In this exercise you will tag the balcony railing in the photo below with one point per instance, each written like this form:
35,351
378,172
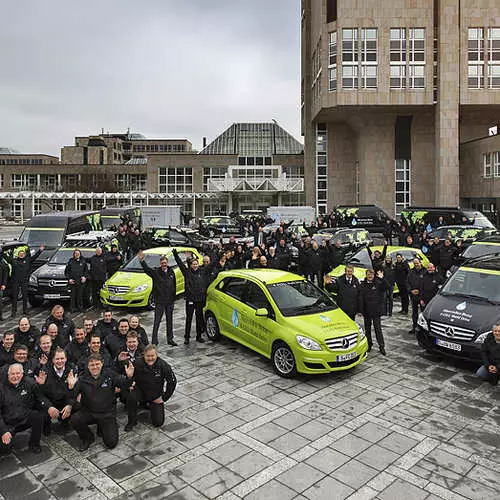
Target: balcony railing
255,185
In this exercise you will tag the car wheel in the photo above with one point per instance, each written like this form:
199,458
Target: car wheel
151,301
283,360
35,301
212,326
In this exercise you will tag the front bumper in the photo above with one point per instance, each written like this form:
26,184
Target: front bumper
469,351
49,293
129,299
326,361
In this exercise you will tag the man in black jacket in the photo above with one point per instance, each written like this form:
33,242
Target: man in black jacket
429,285
31,366
77,348
94,347
195,294
27,334
98,401
7,349
371,301
401,270
65,325
114,261
106,326
413,284
347,289
21,270
155,383
164,293
97,275
116,343
22,407
4,278
76,272
490,354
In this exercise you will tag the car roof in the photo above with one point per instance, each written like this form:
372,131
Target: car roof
265,276
494,238
168,250
489,262
391,249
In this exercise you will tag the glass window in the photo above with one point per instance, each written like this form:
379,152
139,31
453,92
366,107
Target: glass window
487,164
496,163
175,180
235,288
332,63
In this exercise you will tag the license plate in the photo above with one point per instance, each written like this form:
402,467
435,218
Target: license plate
115,297
347,357
51,295
449,345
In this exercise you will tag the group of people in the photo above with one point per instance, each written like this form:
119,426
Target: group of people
76,374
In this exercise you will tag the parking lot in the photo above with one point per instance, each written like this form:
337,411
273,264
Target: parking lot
405,425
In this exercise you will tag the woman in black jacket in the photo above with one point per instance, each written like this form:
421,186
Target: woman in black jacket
390,277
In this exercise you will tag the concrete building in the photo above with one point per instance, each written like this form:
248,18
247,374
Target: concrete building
248,166
390,89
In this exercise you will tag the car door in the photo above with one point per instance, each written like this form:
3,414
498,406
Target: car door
258,328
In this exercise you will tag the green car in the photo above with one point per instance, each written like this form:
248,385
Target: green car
361,260
132,287
285,318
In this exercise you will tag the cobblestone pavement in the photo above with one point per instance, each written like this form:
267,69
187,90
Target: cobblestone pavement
403,426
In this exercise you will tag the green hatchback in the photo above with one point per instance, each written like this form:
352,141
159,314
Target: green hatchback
285,318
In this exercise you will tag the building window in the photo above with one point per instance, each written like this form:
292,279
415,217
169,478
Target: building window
496,163
475,56
58,205
402,181
487,164
213,173
494,58
398,58
24,181
359,59
321,168
70,182
331,11
17,209
416,50
214,207
37,207
369,58
82,204
131,182
332,62
293,172
350,58
1,180
175,180
317,70
349,77
48,182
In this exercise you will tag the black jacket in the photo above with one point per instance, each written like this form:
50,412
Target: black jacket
4,272
155,381
401,270
65,329
104,329
195,282
97,267
16,403
75,351
164,285
98,395
490,351
143,336
115,344
107,362
414,280
347,294
371,297
21,268
56,388
377,262
76,269
114,262
6,357
429,286
447,257
29,338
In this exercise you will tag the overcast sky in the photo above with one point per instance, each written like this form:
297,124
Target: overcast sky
164,68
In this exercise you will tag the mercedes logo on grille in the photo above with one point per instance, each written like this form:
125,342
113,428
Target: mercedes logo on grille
52,283
345,343
450,332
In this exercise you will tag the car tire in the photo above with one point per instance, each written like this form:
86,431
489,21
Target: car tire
212,327
35,301
151,301
283,360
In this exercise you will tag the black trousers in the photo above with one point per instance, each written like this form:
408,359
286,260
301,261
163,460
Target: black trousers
157,410
129,399
405,299
1,303
95,287
194,307
168,310
107,425
415,309
377,326
35,422
76,303
16,286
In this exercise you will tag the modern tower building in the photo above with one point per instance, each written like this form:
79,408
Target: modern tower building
391,92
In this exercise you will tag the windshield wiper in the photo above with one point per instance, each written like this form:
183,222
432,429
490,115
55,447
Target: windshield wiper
470,296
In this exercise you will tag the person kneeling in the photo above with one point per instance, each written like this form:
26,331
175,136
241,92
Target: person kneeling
490,353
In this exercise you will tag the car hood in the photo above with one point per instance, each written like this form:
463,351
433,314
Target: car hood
123,278
322,325
50,271
466,313
359,272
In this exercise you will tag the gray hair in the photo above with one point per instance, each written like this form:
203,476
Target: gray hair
15,365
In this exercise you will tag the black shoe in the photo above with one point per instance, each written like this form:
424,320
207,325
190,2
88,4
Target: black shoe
186,341
200,340
382,351
85,443
173,343
129,426
35,448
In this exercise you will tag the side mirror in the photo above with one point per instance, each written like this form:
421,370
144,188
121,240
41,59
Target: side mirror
262,312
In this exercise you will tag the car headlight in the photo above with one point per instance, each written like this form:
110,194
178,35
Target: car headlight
421,322
362,333
140,288
307,343
482,337
33,280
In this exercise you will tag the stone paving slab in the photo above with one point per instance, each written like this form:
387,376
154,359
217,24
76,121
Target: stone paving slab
405,426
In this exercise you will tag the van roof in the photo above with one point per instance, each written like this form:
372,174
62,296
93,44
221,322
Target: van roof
416,207
57,219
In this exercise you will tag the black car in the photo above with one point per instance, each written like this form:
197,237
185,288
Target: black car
355,238
369,217
219,225
458,319
466,233
179,237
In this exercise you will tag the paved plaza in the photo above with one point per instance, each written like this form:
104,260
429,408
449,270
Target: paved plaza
403,426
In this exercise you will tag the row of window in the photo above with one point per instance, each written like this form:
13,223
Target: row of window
159,148
255,160
359,58
21,161
321,169
175,180
483,57
491,164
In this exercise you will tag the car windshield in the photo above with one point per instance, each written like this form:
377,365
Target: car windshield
297,298
108,221
34,237
361,259
152,260
478,219
479,250
64,254
474,284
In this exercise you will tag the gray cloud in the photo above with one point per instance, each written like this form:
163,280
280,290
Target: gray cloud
164,68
